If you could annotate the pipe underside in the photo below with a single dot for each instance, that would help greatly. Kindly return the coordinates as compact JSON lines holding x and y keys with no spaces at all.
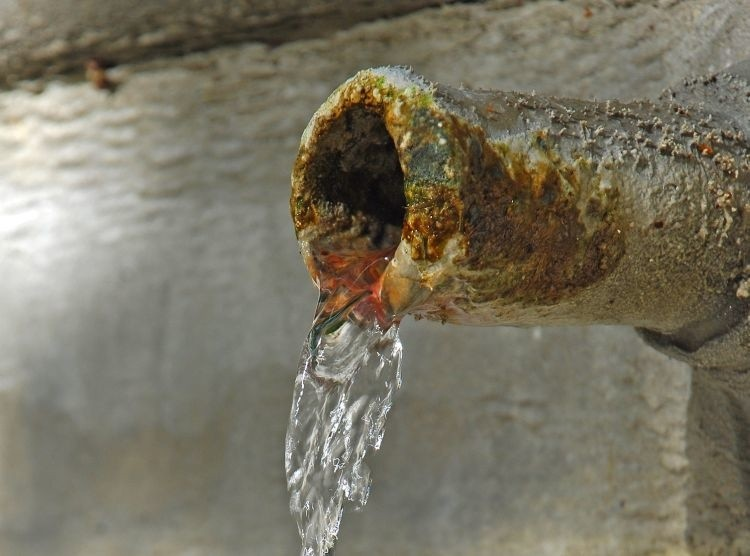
{"x":509,"y":208}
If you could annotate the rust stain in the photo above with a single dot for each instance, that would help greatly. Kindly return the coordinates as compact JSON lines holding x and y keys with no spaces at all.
{"x":96,"y":74}
{"x":533,"y":229}
{"x":524,"y":228}
{"x":302,"y":208}
{"x":308,"y":203}
{"x":705,"y":149}
{"x":434,"y":209}
{"x":433,"y":218}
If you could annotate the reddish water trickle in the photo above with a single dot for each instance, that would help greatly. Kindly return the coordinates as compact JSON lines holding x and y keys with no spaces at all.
{"x":350,"y":280}
{"x":349,"y":370}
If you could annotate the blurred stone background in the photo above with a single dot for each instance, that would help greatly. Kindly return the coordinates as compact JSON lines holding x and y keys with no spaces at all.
{"x":152,"y":300}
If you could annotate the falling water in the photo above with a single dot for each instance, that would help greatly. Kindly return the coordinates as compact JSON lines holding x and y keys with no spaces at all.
{"x":349,"y":370}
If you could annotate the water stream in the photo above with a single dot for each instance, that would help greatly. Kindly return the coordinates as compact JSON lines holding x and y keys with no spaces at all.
{"x":349,"y":370}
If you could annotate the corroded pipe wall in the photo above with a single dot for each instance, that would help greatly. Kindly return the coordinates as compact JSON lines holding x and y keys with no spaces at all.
{"x":523,"y":209}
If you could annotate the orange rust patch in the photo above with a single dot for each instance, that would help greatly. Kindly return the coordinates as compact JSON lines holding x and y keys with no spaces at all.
{"x":301,"y":205}
{"x":705,"y":149}
{"x":433,"y":217}
{"x":522,"y":220}
{"x":348,"y":181}
{"x":339,"y":187}
{"x":308,"y":200}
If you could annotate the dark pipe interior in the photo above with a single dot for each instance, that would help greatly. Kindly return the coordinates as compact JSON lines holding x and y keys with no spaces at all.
{"x":357,"y":178}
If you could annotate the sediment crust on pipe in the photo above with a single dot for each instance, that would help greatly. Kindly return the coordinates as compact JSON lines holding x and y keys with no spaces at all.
{"x":511,"y":208}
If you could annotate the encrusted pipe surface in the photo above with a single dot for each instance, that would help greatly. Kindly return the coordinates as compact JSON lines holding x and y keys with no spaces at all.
{"x":519,"y":209}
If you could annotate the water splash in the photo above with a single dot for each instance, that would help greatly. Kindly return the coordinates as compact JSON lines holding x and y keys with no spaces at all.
{"x":349,"y":370}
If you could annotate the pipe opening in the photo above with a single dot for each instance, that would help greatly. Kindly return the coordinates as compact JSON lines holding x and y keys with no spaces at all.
{"x":356,"y":182}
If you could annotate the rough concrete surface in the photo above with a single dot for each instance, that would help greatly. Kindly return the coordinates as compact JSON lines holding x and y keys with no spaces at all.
{"x":43,"y":38}
{"x":153,"y":303}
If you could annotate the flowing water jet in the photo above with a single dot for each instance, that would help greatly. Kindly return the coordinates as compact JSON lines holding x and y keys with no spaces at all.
{"x":350,"y":368}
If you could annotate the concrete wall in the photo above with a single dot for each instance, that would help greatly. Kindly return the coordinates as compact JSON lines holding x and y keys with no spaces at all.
{"x":153,"y":304}
{"x":50,"y":38}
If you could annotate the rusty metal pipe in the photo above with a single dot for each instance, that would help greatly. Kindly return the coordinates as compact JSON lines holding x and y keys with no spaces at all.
{"x":519,"y":209}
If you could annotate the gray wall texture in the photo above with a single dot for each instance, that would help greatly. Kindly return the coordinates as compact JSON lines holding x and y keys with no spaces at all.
{"x":153,"y":303}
